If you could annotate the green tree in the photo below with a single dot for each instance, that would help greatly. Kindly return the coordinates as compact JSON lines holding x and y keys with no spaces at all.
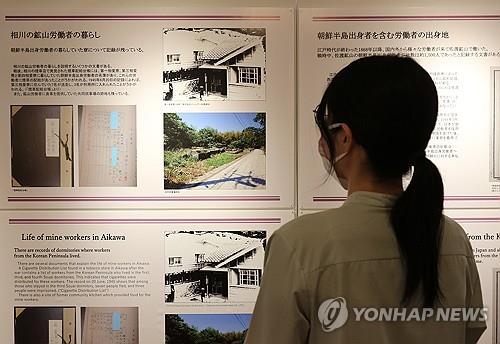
{"x":176,"y":133}
{"x":208,"y":138}
{"x":261,"y":119}
{"x":210,"y":336}
{"x":260,"y":133}
{"x":230,"y":136}
{"x":178,"y":332}
{"x":234,"y":337}
{"x":254,"y":137}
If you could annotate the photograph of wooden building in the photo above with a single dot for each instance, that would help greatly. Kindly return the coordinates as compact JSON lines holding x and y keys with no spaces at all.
{"x":213,"y":266}
{"x":208,"y":64}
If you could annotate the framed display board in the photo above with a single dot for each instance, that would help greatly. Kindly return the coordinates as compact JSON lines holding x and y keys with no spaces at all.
{"x":171,"y":108}
{"x":462,"y":60}
{"x":106,"y":276}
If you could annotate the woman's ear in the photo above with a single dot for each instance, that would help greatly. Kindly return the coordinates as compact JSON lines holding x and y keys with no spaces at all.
{"x":343,"y":139}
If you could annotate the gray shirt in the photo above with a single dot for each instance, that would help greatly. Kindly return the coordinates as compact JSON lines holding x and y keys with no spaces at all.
{"x":351,"y":252}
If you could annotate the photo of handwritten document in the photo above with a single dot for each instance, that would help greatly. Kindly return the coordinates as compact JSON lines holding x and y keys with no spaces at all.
{"x":107,"y":145}
{"x":110,"y":325}
{"x":42,"y":145}
{"x":52,"y":325}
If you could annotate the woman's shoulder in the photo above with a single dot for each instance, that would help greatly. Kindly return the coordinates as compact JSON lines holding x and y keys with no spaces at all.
{"x":309,"y":239}
{"x":323,"y":230}
{"x":310,"y":224}
{"x":344,"y":223}
{"x":455,"y":240}
{"x":340,"y":226}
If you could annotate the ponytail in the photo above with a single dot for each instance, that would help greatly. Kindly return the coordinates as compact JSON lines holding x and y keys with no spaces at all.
{"x":390,"y":103}
{"x":416,"y":219}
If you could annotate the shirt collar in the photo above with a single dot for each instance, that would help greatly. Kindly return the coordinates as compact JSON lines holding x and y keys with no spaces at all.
{"x":372,"y":198}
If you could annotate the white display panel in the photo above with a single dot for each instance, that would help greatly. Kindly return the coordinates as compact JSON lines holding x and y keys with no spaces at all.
{"x":459,"y":51}
{"x":495,"y":79}
{"x":118,"y":269}
{"x":482,"y":228}
{"x":168,"y":108}
{"x":496,"y":315}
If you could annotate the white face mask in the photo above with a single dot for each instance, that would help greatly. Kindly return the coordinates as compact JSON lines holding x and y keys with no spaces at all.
{"x":326,"y":163}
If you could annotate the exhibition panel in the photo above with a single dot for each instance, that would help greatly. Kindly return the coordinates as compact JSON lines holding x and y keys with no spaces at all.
{"x":107,"y":276}
{"x":151,"y":152}
{"x":482,"y":227}
{"x":174,"y":108}
{"x":461,"y":51}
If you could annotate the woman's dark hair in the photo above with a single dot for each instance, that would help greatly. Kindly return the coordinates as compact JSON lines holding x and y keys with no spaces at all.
{"x":390,"y":103}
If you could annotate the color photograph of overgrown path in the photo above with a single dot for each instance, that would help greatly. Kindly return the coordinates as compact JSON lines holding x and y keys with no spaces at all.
{"x":225,"y":151}
{"x":206,"y":328}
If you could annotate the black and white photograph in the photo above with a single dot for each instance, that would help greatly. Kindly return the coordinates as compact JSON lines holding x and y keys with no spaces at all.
{"x":210,"y":64}
{"x":51,"y":325}
{"x":213,"y":266}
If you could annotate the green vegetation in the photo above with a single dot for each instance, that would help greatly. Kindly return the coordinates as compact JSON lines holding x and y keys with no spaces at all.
{"x":178,"y":332}
{"x":220,"y":159}
{"x":177,"y":134}
{"x":182,"y":142}
{"x":181,"y":168}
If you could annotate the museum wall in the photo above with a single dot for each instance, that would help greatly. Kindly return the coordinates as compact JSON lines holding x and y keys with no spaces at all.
{"x":151,"y":149}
